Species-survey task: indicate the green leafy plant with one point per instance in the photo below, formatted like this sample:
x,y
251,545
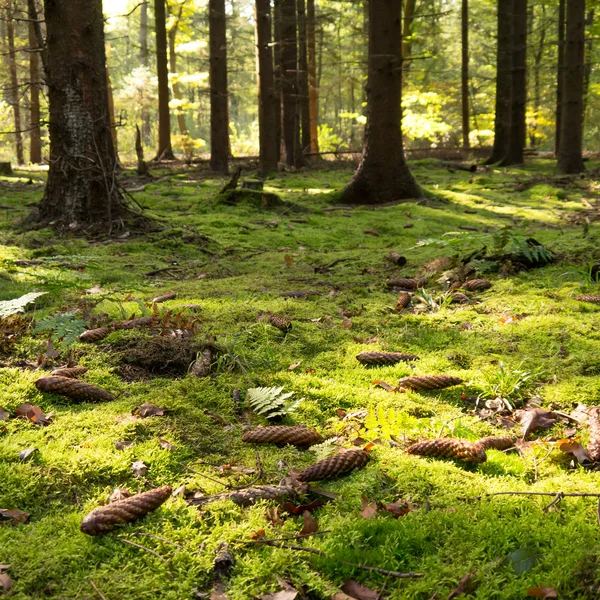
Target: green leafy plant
x,y
269,402
381,423
511,386
63,328
429,302
325,449
12,307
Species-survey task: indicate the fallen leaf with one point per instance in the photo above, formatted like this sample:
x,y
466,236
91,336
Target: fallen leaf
x,y
288,592
382,384
534,418
359,591
523,560
4,415
576,449
257,535
570,432
181,492
462,586
310,524
369,509
372,232
119,494
370,340
122,444
397,509
346,323
272,515
139,468
466,326
301,509
32,413
5,582
542,592
166,445
14,515
294,365
408,225
359,441
96,289
289,260
218,418
150,410
582,412
25,454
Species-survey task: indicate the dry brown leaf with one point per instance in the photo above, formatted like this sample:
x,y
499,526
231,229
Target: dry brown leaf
x,y
576,449
5,582
534,418
289,260
14,516
310,524
382,384
358,591
122,444
397,509
119,494
25,454
272,515
257,535
462,587
32,413
346,323
4,415
139,468
294,365
542,592
166,445
301,509
369,509
372,232
150,410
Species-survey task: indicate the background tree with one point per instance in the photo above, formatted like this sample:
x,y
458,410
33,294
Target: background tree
x,y
35,77
560,73
176,11
313,90
14,80
303,90
143,54
382,175
464,79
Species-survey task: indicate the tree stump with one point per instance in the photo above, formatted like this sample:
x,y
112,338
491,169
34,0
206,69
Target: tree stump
x,y
5,168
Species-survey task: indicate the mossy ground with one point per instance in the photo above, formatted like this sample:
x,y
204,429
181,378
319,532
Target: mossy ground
x,y
235,261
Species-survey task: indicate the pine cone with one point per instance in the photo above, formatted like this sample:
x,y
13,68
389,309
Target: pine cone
x,y
496,442
282,323
73,388
135,323
283,434
164,297
384,358
594,443
476,285
396,258
403,301
463,450
429,382
95,335
201,368
71,372
106,518
459,298
594,299
332,466
410,283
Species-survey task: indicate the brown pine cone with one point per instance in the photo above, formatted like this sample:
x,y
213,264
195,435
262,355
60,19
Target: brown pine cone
x,y
164,297
71,372
283,434
106,518
396,258
459,298
496,442
332,466
594,299
429,382
201,368
450,448
95,335
594,443
73,388
282,323
476,285
384,358
403,301
409,283
135,323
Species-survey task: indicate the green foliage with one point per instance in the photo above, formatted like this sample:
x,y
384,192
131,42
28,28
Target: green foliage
x,y
12,307
431,301
382,423
324,449
509,385
64,328
270,402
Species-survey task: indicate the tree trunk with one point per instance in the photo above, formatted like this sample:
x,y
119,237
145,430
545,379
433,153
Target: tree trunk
x,y
35,134
560,74
313,90
570,158
183,130
219,111
382,175
537,82
14,82
587,73
465,72
303,77
277,76
503,82
111,114
518,131
267,113
289,84
143,39
407,31
81,189
165,150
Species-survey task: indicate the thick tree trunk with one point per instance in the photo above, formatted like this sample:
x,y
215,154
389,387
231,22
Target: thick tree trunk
x,y
165,150
303,77
313,90
289,85
183,130
219,110
143,39
267,101
35,134
465,72
518,131
560,73
382,175
14,82
589,47
570,158
503,82
277,76
81,191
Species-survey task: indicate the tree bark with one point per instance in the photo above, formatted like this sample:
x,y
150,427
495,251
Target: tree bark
x,y
503,82
465,72
537,74
587,72
219,110
35,134
111,113
267,113
165,150
570,159
143,39
81,191
303,77
289,85
382,175
277,76
313,90
560,74
14,82
518,131
172,35
407,32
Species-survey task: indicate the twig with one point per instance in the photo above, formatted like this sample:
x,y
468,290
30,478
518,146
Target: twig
x,y
166,541
297,537
259,474
225,485
382,590
97,590
556,500
154,553
561,494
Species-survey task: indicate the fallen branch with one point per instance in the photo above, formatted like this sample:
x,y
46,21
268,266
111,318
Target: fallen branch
x,y
259,473
554,494
135,545
97,590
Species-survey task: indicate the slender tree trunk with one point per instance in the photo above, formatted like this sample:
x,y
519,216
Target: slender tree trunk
x,y
172,35
503,82
111,114
407,32
165,150
313,90
277,75
465,72
570,159
219,110
143,39
81,189
537,68
303,77
267,101
14,82
587,73
35,134
382,175
560,74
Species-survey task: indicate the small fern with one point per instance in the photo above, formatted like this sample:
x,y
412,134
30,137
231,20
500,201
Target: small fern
x,y
381,423
64,328
270,402
325,449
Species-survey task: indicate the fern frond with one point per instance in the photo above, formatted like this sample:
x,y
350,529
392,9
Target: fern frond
x,y
270,402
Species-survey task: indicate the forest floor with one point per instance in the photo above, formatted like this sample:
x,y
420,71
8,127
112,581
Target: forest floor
x,y
526,340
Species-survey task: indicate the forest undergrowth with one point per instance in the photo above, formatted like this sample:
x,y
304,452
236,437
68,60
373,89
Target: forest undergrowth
x,y
527,352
